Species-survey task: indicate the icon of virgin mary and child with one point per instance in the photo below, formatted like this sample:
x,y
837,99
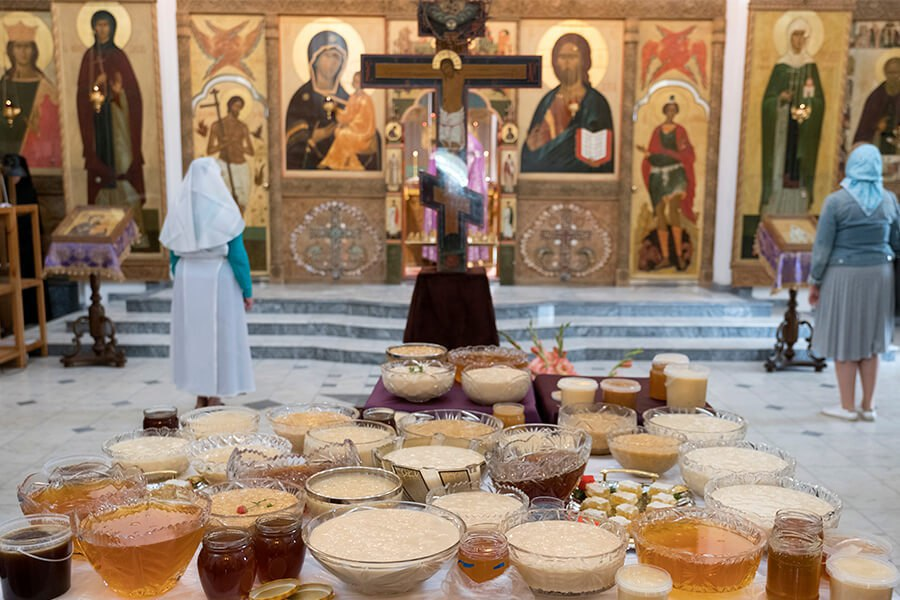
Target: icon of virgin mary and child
x,y
327,128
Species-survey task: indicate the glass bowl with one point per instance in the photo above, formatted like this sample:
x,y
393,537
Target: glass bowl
x,y
384,548
705,550
416,351
486,356
220,420
365,435
142,547
855,542
700,462
291,468
417,380
557,553
758,496
423,464
634,448
598,420
695,424
160,453
76,488
478,504
488,385
239,503
337,488
540,460
294,420
209,456
457,427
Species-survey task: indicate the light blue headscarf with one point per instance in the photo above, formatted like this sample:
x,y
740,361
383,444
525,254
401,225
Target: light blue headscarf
x,y
863,178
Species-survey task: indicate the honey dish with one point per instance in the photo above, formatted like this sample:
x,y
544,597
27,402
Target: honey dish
x,y
220,420
239,503
487,385
159,453
486,356
422,468
598,420
556,553
365,435
700,462
758,496
417,380
635,448
294,420
478,505
209,456
337,488
705,550
696,424
384,547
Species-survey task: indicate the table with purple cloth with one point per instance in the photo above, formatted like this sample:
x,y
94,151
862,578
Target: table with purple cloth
x,y
454,399
787,267
545,385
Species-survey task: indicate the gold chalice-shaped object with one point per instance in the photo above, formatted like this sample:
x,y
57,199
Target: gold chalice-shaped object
x,y
10,111
97,97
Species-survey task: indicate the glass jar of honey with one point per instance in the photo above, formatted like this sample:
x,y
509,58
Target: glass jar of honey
x,y
510,413
160,416
658,372
279,547
794,565
788,519
483,555
381,415
227,564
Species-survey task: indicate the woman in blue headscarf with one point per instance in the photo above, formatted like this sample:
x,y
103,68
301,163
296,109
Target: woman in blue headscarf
x,y
852,279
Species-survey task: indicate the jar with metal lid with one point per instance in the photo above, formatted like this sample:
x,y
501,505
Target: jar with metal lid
x,y
278,542
227,564
483,555
160,416
794,565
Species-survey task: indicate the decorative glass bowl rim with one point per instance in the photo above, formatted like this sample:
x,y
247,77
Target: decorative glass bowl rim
x,y
563,514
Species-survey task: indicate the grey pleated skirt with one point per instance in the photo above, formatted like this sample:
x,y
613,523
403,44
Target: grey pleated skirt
x,y
855,317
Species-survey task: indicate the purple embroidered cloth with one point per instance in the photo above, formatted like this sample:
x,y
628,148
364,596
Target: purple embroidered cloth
x,y
454,399
788,269
82,259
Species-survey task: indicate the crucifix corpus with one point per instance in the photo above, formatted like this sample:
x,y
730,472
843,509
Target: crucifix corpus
x,y
453,23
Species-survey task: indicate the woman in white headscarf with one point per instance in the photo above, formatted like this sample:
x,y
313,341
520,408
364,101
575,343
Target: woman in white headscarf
x,y
204,234
852,279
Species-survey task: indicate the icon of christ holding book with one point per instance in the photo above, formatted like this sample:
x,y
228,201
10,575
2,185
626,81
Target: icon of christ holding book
x,y
572,128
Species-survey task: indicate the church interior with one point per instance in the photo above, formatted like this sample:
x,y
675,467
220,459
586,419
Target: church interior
x,y
588,298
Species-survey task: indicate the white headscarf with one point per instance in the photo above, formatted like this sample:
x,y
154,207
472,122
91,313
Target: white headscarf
x,y
797,59
205,214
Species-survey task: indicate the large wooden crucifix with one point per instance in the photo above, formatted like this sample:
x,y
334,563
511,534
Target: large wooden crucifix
x,y
451,75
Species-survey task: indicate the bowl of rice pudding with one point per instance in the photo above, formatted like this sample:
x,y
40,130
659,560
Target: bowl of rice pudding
x,y
220,420
342,486
239,503
701,462
384,547
635,448
758,496
417,380
159,453
209,456
478,505
424,465
487,385
598,420
696,424
557,553
365,435
416,351
294,420
458,427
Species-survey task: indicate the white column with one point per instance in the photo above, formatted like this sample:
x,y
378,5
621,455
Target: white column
x,y
170,93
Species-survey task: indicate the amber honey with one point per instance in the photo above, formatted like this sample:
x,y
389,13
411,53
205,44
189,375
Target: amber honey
x,y
142,550
78,499
793,574
483,555
553,473
730,560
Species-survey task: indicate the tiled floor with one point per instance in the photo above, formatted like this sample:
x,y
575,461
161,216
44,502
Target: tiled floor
x,y
49,411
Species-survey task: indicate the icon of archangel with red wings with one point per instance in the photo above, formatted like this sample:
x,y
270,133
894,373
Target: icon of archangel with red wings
x,y
226,47
674,51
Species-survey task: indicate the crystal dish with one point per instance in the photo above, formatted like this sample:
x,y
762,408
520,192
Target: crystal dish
x,y
209,456
704,461
423,467
477,504
705,550
417,380
294,420
337,488
696,424
458,427
416,351
220,420
634,448
487,385
384,547
486,356
239,503
365,435
159,453
758,496
291,468
598,420
557,553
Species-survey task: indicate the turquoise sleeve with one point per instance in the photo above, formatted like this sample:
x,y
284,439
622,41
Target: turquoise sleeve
x,y
173,260
240,264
